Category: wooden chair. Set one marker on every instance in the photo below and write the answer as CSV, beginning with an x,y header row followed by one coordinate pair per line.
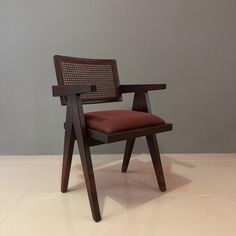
x,y
83,81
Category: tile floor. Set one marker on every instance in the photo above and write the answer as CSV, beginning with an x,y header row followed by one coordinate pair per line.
x,y
201,197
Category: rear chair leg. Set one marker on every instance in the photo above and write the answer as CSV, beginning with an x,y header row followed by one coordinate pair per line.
x,y
156,160
67,157
128,151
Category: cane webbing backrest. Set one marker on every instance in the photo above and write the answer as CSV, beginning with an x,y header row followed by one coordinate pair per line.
x,y
79,71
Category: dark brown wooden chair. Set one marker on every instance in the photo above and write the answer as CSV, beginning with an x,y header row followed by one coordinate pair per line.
x,y
84,81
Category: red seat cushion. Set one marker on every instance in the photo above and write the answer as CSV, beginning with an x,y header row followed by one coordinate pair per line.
x,y
111,121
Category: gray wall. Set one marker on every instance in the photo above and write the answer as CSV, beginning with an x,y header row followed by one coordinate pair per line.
x,y
188,44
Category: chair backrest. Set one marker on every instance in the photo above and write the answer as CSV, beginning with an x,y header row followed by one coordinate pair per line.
x,y
80,71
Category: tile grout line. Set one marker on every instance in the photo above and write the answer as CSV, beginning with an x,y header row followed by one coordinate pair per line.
x,y
220,159
26,191
188,195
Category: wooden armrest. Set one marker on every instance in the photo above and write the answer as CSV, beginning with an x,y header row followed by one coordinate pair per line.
x,y
64,90
132,88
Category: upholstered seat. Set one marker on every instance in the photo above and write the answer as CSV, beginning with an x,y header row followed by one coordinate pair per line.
x,y
112,121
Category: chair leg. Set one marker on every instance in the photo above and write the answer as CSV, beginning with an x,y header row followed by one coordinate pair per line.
x,y
86,161
67,157
156,160
79,125
128,151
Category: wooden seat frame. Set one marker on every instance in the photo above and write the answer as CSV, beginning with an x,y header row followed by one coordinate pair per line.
x,y
76,130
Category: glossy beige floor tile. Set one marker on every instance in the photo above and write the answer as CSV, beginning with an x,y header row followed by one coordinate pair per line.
x,y
109,179
7,205
214,177
180,216
140,178
49,182
17,177
64,215
200,197
183,177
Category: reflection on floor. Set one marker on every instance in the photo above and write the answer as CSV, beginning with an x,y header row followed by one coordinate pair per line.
x,y
200,200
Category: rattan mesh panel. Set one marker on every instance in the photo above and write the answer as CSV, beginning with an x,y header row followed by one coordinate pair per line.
x,y
100,75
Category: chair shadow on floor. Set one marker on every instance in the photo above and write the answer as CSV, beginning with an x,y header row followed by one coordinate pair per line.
x,y
139,180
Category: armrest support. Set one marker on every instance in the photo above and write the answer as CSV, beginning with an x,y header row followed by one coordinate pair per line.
x,y
132,88
65,90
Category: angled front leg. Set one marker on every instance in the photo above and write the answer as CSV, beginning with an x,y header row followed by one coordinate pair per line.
x,y
85,155
156,161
